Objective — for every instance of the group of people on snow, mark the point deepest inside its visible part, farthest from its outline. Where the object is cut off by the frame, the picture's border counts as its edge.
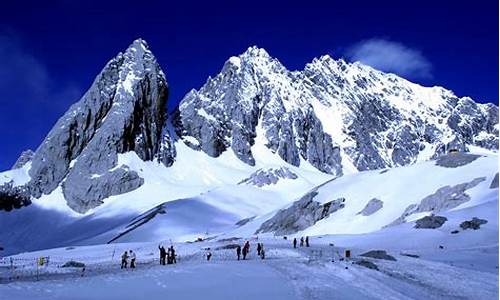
(301, 242)
(246, 249)
(125, 257)
(167, 255)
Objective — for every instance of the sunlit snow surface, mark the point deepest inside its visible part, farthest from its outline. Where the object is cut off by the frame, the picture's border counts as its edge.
(201, 197)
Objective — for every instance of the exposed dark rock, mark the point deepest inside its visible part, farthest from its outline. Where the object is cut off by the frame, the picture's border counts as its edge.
(455, 232)
(473, 224)
(302, 214)
(141, 220)
(225, 247)
(371, 207)
(445, 198)
(378, 254)
(367, 264)
(430, 222)
(455, 160)
(13, 197)
(269, 176)
(494, 182)
(244, 221)
(410, 255)
(73, 264)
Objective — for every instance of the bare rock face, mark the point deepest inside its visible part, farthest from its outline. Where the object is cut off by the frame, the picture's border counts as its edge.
(371, 207)
(227, 112)
(24, 158)
(430, 222)
(445, 198)
(474, 224)
(263, 177)
(378, 120)
(303, 213)
(124, 110)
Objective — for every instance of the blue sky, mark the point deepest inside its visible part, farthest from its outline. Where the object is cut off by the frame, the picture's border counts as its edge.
(51, 52)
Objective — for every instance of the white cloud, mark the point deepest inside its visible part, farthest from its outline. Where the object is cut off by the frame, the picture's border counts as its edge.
(390, 56)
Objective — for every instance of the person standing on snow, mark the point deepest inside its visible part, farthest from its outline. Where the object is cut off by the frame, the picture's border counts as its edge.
(124, 260)
(294, 243)
(238, 251)
(132, 259)
(246, 249)
(307, 241)
(262, 252)
(172, 255)
(302, 242)
(259, 247)
(163, 255)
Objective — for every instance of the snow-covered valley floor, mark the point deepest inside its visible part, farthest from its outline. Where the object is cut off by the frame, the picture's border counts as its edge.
(304, 273)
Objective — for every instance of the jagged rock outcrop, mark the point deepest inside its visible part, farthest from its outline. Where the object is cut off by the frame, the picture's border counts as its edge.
(378, 120)
(445, 198)
(302, 214)
(494, 182)
(263, 177)
(371, 207)
(473, 224)
(455, 160)
(430, 222)
(230, 110)
(124, 110)
(24, 158)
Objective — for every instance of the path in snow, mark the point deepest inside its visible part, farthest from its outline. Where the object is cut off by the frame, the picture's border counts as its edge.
(209, 280)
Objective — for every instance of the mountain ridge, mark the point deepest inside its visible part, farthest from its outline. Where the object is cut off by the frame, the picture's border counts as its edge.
(337, 116)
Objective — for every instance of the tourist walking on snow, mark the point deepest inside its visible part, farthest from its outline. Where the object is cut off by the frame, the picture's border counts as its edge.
(163, 255)
(238, 251)
(246, 249)
(294, 243)
(307, 241)
(124, 260)
(262, 251)
(258, 249)
(132, 259)
(302, 242)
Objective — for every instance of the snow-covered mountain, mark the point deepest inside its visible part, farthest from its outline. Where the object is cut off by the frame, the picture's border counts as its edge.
(336, 115)
(258, 149)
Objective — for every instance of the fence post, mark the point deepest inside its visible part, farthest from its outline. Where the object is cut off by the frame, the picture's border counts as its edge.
(36, 261)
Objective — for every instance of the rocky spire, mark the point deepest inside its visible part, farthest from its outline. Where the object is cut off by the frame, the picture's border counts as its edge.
(124, 110)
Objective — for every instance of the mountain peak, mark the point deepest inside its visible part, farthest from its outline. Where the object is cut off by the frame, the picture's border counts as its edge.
(254, 51)
(139, 44)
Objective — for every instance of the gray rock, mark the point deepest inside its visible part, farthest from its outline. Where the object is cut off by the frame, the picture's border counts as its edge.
(244, 221)
(473, 224)
(73, 264)
(263, 177)
(445, 198)
(255, 88)
(410, 255)
(371, 207)
(430, 222)
(124, 110)
(378, 254)
(367, 264)
(24, 158)
(494, 182)
(302, 214)
(455, 160)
